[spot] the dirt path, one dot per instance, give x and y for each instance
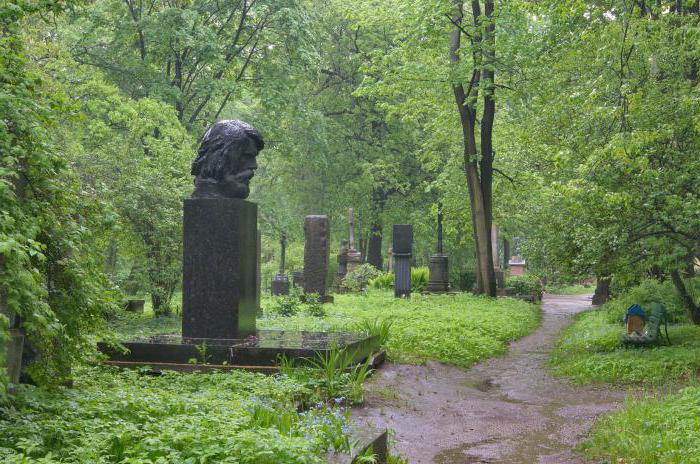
(505, 410)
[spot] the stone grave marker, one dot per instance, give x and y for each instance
(402, 250)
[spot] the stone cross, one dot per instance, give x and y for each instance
(354, 257)
(439, 280)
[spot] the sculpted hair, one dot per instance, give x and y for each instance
(211, 156)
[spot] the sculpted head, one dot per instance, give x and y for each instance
(226, 160)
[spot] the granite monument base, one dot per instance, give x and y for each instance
(219, 268)
(439, 281)
(258, 353)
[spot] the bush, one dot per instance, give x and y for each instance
(526, 284)
(383, 281)
(287, 305)
(419, 279)
(652, 291)
(314, 307)
(357, 279)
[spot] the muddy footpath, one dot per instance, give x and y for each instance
(505, 410)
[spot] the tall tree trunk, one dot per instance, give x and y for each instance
(602, 291)
(478, 183)
(690, 306)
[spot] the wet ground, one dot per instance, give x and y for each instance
(505, 410)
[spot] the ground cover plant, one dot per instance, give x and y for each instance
(458, 329)
(650, 431)
(589, 350)
(124, 416)
(572, 289)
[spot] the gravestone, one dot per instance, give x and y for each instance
(135, 306)
(221, 236)
(402, 250)
(298, 279)
(280, 282)
(354, 258)
(439, 281)
(342, 259)
(316, 253)
(219, 276)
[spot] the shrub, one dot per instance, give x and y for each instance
(314, 307)
(383, 281)
(287, 305)
(526, 284)
(419, 279)
(357, 279)
(652, 291)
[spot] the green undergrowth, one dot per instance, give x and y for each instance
(458, 329)
(590, 351)
(650, 431)
(574, 289)
(125, 416)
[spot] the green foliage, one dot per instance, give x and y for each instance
(358, 279)
(573, 289)
(47, 272)
(127, 416)
(651, 291)
(526, 284)
(375, 327)
(650, 430)
(420, 276)
(286, 305)
(590, 349)
(458, 329)
(313, 306)
(383, 281)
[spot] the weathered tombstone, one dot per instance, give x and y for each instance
(280, 282)
(390, 259)
(298, 279)
(135, 306)
(354, 256)
(402, 250)
(342, 265)
(220, 236)
(374, 247)
(316, 253)
(439, 281)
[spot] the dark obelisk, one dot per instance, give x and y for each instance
(402, 250)
(316, 254)
(439, 281)
(220, 236)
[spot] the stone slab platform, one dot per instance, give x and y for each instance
(259, 353)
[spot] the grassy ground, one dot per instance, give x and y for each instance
(458, 329)
(651, 429)
(576, 289)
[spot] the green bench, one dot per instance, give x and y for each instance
(652, 333)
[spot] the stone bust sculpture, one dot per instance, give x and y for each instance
(226, 160)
